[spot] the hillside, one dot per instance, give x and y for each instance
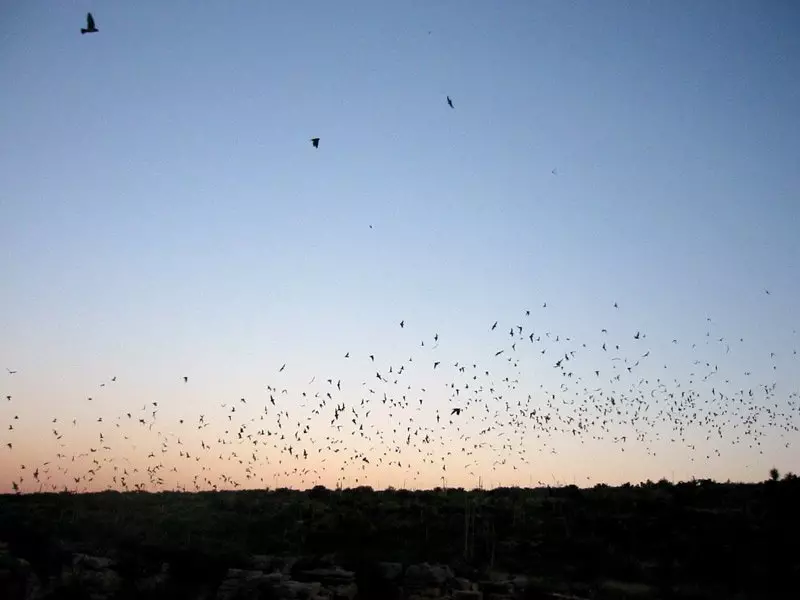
(695, 539)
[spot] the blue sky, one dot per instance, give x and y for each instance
(163, 213)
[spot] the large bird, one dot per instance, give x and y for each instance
(450, 102)
(315, 141)
(90, 28)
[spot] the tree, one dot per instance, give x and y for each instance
(319, 492)
(774, 475)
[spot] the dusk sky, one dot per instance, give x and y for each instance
(163, 214)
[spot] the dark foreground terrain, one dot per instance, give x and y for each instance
(697, 539)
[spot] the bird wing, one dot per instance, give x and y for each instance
(89, 21)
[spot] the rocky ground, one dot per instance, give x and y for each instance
(698, 540)
(274, 578)
(85, 576)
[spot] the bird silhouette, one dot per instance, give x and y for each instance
(501, 420)
(450, 102)
(90, 27)
(315, 142)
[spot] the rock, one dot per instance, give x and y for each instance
(328, 560)
(243, 574)
(262, 562)
(96, 563)
(92, 583)
(297, 589)
(520, 582)
(287, 564)
(229, 589)
(271, 564)
(17, 579)
(274, 578)
(460, 583)
(336, 572)
(241, 583)
(424, 573)
(327, 576)
(107, 580)
(345, 592)
(467, 595)
(92, 574)
(627, 588)
(390, 571)
(441, 573)
(496, 587)
(153, 584)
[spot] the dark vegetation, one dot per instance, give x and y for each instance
(705, 538)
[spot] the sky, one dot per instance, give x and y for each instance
(163, 214)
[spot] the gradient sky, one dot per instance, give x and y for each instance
(163, 214)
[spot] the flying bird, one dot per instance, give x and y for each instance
(90, 28)
(450, 102)
(315, 142)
